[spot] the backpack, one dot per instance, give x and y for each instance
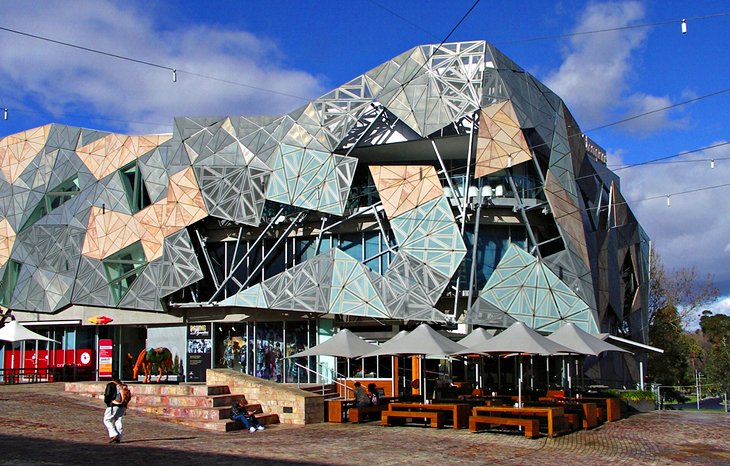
(126, 394)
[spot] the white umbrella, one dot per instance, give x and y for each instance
(14, 331)
(423, 341)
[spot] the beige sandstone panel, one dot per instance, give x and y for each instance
(109, 232)
(18, 150)
(405, 187)
(7, 239)
(185, 204)
(500, 141)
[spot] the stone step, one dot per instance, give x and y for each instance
(183, 389)
(228, 425)
(185, 400)
(192, 412)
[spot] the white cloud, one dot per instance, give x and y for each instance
(693, 231)
(597, 69)
(65, 81)
(722, 306)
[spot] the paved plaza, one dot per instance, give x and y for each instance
(40, 424)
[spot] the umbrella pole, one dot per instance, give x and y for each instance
(422, 373)
(519, 387)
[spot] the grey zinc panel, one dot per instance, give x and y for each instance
(181, 266)
(110, 192)
(155, 176)
(63, 137)
(91, 286)
(144, 292)
(87, 136)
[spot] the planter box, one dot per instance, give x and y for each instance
(641, 406)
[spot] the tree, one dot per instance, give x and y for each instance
(717, 359)
(682, 289)
(670, 367)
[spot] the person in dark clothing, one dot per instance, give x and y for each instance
(240, 413)
(116, 397)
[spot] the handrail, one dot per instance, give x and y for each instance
(322, 377)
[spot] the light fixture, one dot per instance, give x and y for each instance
(233, 328)
(684, 26)
(220, 329)
(669, 201)
(174, 76)
(5, 114)
(712, 163)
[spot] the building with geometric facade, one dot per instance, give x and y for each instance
(446, 185)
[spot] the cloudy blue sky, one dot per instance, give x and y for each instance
(242, 57)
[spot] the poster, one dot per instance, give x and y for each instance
(105, 358)
(200, 351)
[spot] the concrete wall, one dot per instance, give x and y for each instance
(293, 405)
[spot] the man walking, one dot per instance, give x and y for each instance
(116, 397)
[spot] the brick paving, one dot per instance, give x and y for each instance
(40, 424)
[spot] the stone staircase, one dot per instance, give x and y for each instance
(196, 405)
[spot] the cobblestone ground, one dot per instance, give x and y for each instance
(40, 424)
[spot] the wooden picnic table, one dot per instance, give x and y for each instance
(580, 415)
(337, 407)
(556, 421)
(459, 411)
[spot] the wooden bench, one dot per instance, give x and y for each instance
(435, 418)
(532, 426)
(356, 414)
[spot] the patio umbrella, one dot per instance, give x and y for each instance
(14, 331)
(520, 339)
(423, 341)
(476, 337)
(344, 344)
(581, 342)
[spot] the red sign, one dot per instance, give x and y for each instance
(105, 357)
(100, 320)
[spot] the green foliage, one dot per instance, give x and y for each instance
(670, 367)
(717, 358)
(634, 395)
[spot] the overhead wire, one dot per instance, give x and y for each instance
(614, 29)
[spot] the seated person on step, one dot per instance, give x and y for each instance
(241, 414)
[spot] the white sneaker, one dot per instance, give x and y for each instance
(252, 429)
(260, 428)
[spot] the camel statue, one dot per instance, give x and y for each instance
(160, 356)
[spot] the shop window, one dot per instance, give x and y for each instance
(10, 279)
(53, 199)
(123, 267)
(134, 186)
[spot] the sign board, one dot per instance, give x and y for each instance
(106, 352)
(200, 351)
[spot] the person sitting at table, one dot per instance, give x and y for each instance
(361, 396)
(373, 394)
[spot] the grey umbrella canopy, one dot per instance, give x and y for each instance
(582, 342)
(476, 337)
(14, 331)
(423, 340)
(518, 338)
(344, 344)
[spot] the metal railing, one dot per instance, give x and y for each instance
(27, 375)
(341, 387)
